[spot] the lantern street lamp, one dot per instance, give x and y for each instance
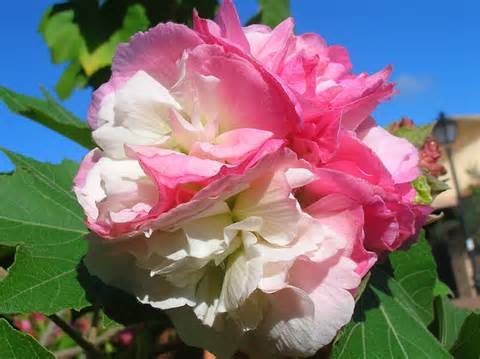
(445, 131)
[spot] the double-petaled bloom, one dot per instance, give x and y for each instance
(241, 185)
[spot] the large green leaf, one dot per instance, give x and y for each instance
(384, 327)
(86, 34)
(467, 345)
(39, 214)
(391, 317)
(135, 20)
(18, 345)
(49, 113)
(415, 272)
(449, 320)
(271, 12)
(274, 11)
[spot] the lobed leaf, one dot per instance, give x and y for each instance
(449, 320)
(391, 317)
(415, 272)
(18, 345)
(49, 113)
(39, 215)
(272, 12)
(467, 344)
(383, 327)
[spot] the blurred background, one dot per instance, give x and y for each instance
(433, 47)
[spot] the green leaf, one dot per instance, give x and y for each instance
(441, 289)
(423, 192)
(18, 345)
(436, 186)
(416, 274)
(71, 78)
(86, 34)
(39, 214)
(135, 20)
(467, 346)
(61, 34)
(383, 327)
(391, 317)
(416, 135)
(272, 12)
(449, 320)
(48, 113)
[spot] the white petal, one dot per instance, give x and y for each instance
(205, 236)
(207, 294)
(223, 342)
(137, 114)
(270, 200)
(243, 273)
(115, 185)
(299, 177)
(119, 270)
(288, 327)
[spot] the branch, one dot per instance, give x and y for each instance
(48, 334)
(92, 333)
(88, 347)
(70, 352)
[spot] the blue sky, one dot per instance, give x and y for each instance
(434, 47)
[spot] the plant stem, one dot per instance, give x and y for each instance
(48, 334)
(88, 347)
(70, 352)
(92, 334)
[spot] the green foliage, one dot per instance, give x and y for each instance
(449, 321)
(391, 317)
(436, 186)
(416, 273)
(48, 113)
(383, 327)
(17, 345)
(272, 12)
(416, 135)
(423, 190)
(467, 344)
(39, 214)
(85, 34)
(441, 289)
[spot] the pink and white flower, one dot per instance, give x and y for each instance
(255, 269)
(241, 185)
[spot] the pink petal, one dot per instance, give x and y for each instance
(246, 97)
(361, 94)
(170, 169)
(155, 52)
(355, 158)
(232, 146)
(230, 26)
(346, 217)
(398, 155)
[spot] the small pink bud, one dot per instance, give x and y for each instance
(38, 317)
(125, 337)
(24, 325)
(82, 325)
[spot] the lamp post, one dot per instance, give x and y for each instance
(445, 131)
